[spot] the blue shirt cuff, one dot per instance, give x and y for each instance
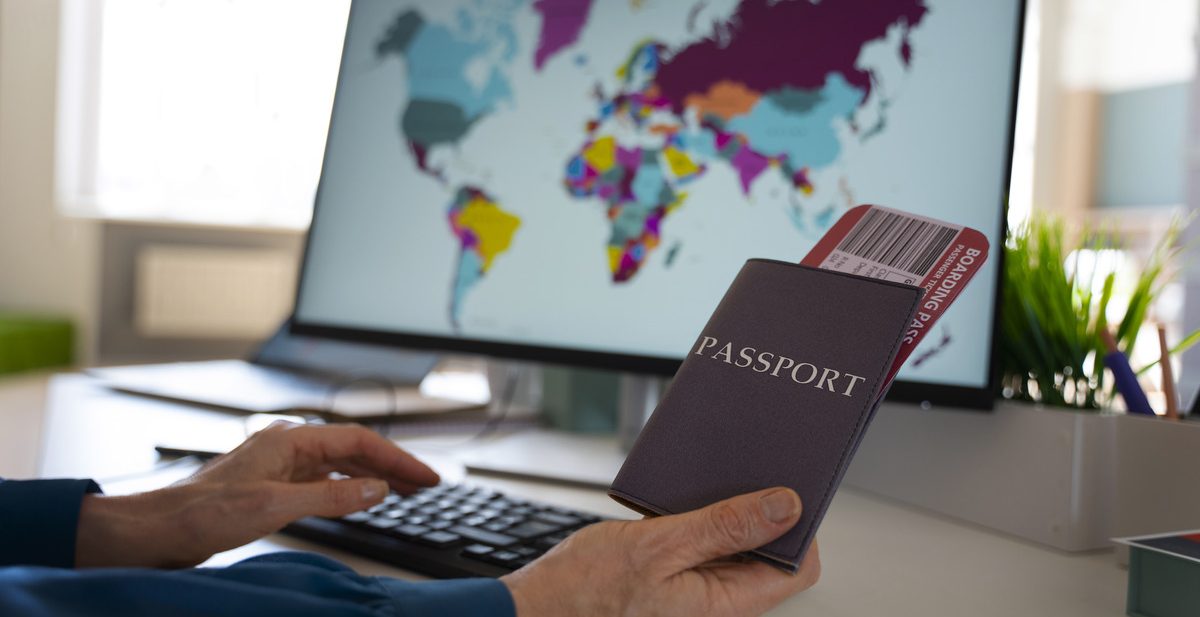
(39, 520)
(472, 597)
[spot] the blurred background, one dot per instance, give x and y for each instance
(155, 203)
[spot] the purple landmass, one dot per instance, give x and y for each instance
(776, 44)
(562, 21)
(749, 164)
(629, 159)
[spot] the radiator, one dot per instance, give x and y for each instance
(205, 292)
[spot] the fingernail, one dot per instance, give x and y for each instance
(373, 490)
(781, 505)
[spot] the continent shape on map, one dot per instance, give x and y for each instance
(750, 114)
(443, 103)
(484, 230)
(562, 21)
(442, 106)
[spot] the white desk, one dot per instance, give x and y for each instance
(878, 558)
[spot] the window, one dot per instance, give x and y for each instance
(200, 111)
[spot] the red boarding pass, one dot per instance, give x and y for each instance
(878, 242)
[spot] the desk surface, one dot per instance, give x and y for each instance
(878, 557)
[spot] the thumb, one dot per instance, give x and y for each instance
(328, 497)
(734, 525)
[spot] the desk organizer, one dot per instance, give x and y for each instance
(1164, 575)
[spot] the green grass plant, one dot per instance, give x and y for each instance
(1051, 317)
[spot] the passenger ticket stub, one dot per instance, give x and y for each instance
(882, 243)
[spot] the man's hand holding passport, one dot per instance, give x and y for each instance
(781, 384)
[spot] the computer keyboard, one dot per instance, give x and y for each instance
(449, 531)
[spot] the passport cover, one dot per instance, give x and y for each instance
(777, 391)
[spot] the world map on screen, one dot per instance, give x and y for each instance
(771, 88)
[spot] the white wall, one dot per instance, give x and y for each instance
(47, 263)
(1189, 376)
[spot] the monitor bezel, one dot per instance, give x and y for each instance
(926, 393)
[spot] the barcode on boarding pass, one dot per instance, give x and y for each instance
(891, 245)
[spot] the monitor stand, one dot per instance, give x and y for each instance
(561, 457)
(637, 397)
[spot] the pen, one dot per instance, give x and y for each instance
(1168, 374)
(1123, 376)
(182, 452)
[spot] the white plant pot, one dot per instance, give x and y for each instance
(1042, 474)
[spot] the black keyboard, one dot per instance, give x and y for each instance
(449, 531)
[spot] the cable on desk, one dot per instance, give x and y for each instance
(341, 383)
(384, 427)
(503, 406)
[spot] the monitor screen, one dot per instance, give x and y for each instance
(579, 181)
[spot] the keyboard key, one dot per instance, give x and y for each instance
(383, 523)
(524, 551)
(549, 541)
(416, 520)
(477, 550)
(483, 536)
(558, 537)
(561, 520)
(473, 521)
(441, 539)
(504, 558)
(532, 529)
(357, 517)
(411, 531)
(438, 525)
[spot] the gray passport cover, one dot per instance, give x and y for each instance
(777, 391)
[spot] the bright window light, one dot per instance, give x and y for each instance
(196, 111)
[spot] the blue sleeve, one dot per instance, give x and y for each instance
(38, 521)
(293, 584)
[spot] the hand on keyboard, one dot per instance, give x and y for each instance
(667, 565)
(277, 476)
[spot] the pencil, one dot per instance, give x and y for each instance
(1168, 375)
(1123, 376)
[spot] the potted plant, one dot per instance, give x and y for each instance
(1071, 479)
(1054, 308)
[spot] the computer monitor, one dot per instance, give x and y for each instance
(577, 181)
